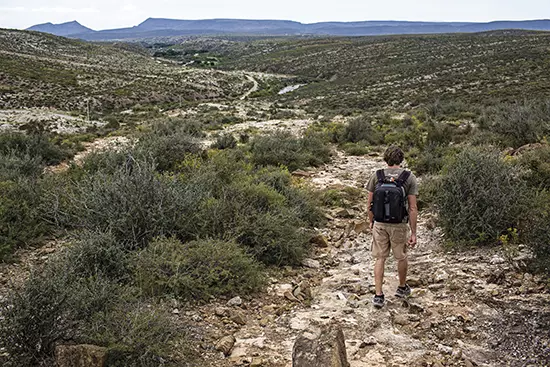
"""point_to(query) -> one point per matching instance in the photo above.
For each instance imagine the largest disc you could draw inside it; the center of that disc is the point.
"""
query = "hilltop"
(159, 27)
(64, 29)
(41, 70)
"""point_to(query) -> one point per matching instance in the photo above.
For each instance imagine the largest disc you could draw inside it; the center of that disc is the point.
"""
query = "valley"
(213, 213)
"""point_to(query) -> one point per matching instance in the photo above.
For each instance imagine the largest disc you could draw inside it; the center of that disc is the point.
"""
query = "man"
(391, 231)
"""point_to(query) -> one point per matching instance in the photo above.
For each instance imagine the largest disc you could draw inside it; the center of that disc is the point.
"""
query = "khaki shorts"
(389, 235)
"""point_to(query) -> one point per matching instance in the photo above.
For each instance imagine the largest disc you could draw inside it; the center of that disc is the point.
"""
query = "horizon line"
(295, 21)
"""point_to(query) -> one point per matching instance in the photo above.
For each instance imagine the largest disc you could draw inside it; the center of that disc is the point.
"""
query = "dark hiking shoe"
(403, 292)
(379, 301)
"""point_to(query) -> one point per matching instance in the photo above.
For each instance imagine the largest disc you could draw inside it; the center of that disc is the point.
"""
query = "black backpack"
(389, 199)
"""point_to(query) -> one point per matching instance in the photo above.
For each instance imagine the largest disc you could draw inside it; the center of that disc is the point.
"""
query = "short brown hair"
(394, 156)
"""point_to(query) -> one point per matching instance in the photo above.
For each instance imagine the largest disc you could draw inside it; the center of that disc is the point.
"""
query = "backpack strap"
(381, 176)
(403, 177)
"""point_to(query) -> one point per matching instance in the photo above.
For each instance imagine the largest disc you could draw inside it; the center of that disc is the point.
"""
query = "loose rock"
(324, 349)
(226, 344)
(237, 301)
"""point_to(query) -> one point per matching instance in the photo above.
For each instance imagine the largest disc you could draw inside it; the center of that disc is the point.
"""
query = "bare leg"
(402, 266)
(379, 275)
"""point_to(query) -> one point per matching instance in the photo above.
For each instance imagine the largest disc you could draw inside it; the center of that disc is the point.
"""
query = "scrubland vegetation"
(161, 219)
(166, 218)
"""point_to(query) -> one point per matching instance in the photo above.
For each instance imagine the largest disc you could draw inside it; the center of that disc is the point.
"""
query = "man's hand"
(412, 241)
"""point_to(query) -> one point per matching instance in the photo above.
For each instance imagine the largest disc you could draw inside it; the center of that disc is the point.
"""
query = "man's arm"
(371, 214)
(413, 218)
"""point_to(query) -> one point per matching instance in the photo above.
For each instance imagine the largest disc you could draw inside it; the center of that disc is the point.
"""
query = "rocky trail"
(474, 308)
(467, 309)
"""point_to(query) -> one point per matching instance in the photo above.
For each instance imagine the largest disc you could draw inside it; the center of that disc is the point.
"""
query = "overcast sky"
(105, 14)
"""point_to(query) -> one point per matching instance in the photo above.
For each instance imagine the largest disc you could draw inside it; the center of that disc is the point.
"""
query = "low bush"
(95, 252)
(50, 307)
(283, 148)
(137, 334)
(196, 270)
(79, 297)
(361, 129)
(14, 165)
(225, 141)
(33, 145)
(480, 197)
(167, 149)
(134, 203)
(21, 219)
(429, 191)
(537, 164)
(535, 228)
(356, 149)
(518, 124)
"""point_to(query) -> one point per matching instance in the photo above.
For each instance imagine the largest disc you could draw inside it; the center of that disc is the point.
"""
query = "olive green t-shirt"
(410, 186)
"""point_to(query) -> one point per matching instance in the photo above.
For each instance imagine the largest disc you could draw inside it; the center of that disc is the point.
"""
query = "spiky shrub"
(196, 270)
(480, 197)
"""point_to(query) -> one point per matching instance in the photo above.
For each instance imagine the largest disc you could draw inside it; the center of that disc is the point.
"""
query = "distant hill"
(158, 27)
(64, 29)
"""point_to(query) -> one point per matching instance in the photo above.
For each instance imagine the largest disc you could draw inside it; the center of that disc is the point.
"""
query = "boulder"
(325, 348)
(80, 356)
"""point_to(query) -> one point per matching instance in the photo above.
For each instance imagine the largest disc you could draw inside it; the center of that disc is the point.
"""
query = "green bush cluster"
(517, 124)
(22, 188)
(225, 141)
(283, 148)
(196, 270)
(480, 197)
(73, 299)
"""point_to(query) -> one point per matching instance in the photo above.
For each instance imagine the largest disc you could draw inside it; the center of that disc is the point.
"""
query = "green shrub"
(51, 306)
(429, 160)
(361, 129)
(274, 238)
(518, 123)
(167, 150)
(225, 141)
(356, 149)
(21, 218)
(137, 334)
(96, 252)
(14, 165)
(480, 197)
(196, 270)
(283, 148)
(535, 228)
(537, 163)
(429, 190)
(134, 203)
(33, 145)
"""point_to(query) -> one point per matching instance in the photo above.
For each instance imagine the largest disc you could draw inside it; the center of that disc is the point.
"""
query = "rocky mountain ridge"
(156, 27)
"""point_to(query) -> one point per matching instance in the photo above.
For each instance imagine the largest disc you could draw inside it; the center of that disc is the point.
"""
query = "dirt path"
(455, 317)
(254, 88)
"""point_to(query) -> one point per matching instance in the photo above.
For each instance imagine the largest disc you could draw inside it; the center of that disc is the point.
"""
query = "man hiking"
(392, 204)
